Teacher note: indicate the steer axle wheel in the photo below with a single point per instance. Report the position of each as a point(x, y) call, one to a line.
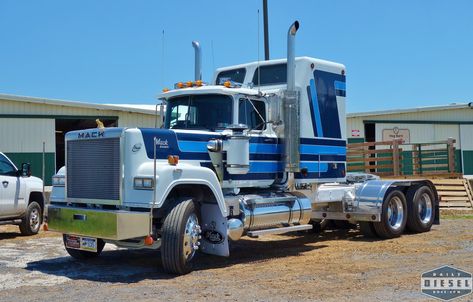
point(393, 216)
point(180, 238)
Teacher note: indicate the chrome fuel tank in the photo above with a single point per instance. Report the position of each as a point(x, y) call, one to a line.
point(272, 210)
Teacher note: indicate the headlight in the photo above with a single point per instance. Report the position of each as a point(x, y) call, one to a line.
point(143, 183)
point(59, 180)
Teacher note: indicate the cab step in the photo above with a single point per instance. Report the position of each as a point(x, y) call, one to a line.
point(283, 230)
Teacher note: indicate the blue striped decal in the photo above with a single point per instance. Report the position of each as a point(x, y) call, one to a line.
point(340, 85)
point(322, 157)
point(319, 131)
point(312, 149)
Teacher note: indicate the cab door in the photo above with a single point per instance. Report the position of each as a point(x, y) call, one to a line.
point(9, 189)
point(265, 158)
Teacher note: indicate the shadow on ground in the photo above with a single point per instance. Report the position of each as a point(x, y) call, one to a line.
point(131, 266)
point(9, 235)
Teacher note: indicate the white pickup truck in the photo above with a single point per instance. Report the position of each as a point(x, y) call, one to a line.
point(21, 197)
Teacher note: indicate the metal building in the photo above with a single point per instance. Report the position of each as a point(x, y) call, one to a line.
point(26, 123)
point(419, 125)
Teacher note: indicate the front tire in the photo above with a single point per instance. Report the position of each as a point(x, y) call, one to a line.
point(393, 216)
point(421, 212)
point(31, 223)
point(180, 238)
point(81, 255)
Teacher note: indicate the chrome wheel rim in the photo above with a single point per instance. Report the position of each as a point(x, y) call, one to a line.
point(395, 213)
point(34, 219)
point(424, 208)
point(191, 237)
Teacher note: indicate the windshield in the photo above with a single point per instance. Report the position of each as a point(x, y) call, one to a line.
point(201, 112)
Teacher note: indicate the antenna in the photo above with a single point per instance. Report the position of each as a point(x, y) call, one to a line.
point(163, 71)
point(213, 57)
point(258, 66)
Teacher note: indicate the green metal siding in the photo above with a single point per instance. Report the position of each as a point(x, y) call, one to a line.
point(36, 161)
point(468, 162)
point(352, 140)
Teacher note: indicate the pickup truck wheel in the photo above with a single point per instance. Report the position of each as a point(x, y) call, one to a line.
point(79, 254)
point(180, 238)
point(393, 216)
point(421, 213)
point(31, 223)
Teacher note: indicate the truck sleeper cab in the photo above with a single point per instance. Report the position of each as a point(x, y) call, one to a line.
point(233, 160)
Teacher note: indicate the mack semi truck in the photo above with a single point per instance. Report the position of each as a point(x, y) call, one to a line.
point(260, 150)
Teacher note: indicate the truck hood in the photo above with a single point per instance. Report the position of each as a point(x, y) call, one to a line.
point(35, 180)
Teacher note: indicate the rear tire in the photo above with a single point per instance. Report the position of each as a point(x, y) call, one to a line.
point(79, 254)
point(180, 238)
point(421, 209)
point(393, 216)
point(31, 223)
point(367, 229)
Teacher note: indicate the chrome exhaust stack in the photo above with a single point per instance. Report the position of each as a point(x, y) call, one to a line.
point(291, 56)
point(291, 106)
point(198, 61)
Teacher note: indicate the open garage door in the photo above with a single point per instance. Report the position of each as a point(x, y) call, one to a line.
point(65, 125)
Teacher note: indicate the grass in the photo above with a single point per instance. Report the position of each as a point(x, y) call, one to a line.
point(456, 214)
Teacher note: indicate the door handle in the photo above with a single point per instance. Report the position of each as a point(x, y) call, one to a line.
point(5, 183)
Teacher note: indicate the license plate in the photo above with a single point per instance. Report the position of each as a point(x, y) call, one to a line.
point(81, 243)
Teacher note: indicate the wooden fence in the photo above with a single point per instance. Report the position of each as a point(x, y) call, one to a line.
point(394, 158)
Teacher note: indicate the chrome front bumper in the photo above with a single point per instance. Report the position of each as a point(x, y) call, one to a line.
point(105, 224)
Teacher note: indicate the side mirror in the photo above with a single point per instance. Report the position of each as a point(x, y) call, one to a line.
point(161, 115)
point(25, 170)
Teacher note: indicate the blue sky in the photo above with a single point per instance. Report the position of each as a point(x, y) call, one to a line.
point(398, 54)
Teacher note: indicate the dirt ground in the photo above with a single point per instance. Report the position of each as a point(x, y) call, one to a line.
point(337, 265)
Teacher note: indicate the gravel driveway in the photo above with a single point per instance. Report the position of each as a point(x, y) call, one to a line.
point(337, 265)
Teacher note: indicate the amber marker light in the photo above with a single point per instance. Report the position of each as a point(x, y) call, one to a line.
point(189, 84)
point(180, 85)
point(149, 240)
point(227, 84)
point(165, 89)
point(173, 160)
point(198, 83)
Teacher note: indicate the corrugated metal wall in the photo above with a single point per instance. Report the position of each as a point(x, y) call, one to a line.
point(125, 119)
point(27, 135)
point(25, 126)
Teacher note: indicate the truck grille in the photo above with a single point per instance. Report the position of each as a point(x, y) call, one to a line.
point(93, 169)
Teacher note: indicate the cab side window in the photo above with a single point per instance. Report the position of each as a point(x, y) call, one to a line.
point(6, 168)
point(252, 113)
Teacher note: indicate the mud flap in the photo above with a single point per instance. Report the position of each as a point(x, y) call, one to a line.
point(214, 231)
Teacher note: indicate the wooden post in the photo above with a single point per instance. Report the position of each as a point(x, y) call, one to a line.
point(396, 157)
point(451, 154)
point(415, 160)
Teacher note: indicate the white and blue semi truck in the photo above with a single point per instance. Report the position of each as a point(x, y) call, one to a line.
point(261, 150)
